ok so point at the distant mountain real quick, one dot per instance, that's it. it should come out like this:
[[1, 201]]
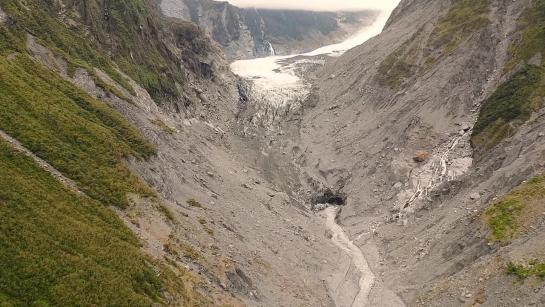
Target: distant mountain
[[248, 33]]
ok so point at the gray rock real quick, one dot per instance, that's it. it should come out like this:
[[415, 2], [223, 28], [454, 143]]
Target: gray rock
[[465, 127], [475, 196], [3, 16]]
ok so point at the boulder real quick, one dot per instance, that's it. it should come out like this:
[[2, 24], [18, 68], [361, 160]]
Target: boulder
[[421, 156], [475, 196]]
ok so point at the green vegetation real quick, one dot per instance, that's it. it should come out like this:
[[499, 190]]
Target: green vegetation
[[532, 40], [194, 203], [38, 18], [126, 30], [81, 137], [517, 211], [191, 253], [58, 248], [502, 219], [61, 249], [462, 19], [187, 250], [511, 104], [108, 88], [181, 285], [398, 66], [166, 212], [514, 101], [161, 124], [534, 268]]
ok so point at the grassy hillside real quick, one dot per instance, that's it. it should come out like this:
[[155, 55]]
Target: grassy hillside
[[58, 248], [513, 215], [95, 33], [509, 106], [81, 137], [61, 249], [400, 65]]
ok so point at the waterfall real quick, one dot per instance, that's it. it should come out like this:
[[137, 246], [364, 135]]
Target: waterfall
[[270, 48]]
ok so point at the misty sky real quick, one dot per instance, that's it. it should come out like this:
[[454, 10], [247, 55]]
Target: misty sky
[[319, 5]]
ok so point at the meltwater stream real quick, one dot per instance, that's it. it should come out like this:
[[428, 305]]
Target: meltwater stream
[[341, 240], [276, 84]]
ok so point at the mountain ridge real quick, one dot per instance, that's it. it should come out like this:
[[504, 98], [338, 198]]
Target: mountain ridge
[[249, 32]]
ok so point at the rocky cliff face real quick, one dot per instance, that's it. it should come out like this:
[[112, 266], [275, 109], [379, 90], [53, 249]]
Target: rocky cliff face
[[250, 33]]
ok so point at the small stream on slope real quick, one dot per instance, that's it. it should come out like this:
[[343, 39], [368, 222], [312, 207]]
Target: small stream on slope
[[441, 168]]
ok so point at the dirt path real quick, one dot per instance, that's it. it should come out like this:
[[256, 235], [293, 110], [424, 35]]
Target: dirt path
[[340, 238], [42, 163]]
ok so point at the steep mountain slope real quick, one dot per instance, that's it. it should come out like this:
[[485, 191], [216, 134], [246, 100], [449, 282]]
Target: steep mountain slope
[[249, 33], [136, 188], [137, 170], [434, 131], [60, 248]]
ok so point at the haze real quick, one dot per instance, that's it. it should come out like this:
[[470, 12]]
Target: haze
[[319, 5]]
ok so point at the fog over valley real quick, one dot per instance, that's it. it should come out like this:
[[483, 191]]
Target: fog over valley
[[319, 5]]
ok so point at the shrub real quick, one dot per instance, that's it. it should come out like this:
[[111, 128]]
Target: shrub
[[533, 268], [166, 212], [509, 106], [514, 213], [194, 203]]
